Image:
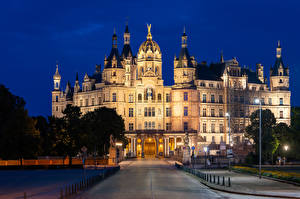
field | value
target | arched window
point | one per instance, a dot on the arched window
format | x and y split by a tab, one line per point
140	97
159	97
142	71
56	98
156	70
56	85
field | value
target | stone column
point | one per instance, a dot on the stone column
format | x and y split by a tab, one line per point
131	147
168	146
157	144
175	144
142	143
165	148
134	148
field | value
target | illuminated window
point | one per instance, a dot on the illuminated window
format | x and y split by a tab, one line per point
130	99
159	97
130	126
221	112
221	130
185	111
168	112
220	98
130	112
185	126
168	97
204	112
204	98
281	101
212	112
140	97
281	114
212	100
114	97
168	126
213	130
204	127
185	96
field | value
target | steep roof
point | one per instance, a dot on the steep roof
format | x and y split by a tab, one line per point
184	55
204	72
278	64
126	52
252	77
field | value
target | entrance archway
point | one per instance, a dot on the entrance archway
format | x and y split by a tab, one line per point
149	147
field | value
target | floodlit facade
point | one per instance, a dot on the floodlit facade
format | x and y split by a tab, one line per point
157	117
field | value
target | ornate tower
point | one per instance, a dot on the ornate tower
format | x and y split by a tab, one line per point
56	79
113	72
149	60
127	58
260	72
184	65
279	74
77	86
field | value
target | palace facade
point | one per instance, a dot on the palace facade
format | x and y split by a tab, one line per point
157	117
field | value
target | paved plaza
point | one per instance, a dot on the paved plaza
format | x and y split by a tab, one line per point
152	178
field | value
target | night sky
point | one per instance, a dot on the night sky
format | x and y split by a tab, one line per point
36	34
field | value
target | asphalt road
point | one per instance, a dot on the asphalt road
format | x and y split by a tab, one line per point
151	179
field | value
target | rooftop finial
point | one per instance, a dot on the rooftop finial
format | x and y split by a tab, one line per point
114	30
278	44
149	36
222	57
183	29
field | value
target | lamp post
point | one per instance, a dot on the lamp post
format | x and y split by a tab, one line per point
258	101
286	147
205	150
229	141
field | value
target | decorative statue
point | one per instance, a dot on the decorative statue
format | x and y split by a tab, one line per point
112	141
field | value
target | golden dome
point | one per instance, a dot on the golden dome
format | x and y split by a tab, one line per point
149	44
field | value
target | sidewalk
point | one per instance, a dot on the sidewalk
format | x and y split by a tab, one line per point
251	184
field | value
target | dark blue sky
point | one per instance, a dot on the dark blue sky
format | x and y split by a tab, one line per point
35	34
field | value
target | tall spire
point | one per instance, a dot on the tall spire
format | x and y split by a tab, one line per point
184	39
278	50
76	76
149	36
114	39
126	34
222	57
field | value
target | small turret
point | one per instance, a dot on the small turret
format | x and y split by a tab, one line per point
260	72
77	86
279	74
222	57
56	79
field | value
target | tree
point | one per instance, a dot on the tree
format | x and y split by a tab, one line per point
72	131
18	136
99	125
269	141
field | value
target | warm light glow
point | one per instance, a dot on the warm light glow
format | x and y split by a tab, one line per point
286	147
179	143
227	114
160	146
150	139
231	144
138	146
256	101
205	149
119	144
160	140
139	140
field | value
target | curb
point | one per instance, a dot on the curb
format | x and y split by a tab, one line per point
270	178
240	193
244	193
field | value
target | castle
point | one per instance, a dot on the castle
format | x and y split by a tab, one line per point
202	103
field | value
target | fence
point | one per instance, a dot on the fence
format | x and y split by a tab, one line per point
85	183
215	179
52	162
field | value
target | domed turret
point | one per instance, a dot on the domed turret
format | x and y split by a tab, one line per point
56	79
149	57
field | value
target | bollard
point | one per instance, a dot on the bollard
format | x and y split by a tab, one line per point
218	179
66	191
25	195
223	182
69	193
61	194
214	179
229	183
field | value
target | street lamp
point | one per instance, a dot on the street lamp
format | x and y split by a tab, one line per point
229	141
205	150
258	101
286	147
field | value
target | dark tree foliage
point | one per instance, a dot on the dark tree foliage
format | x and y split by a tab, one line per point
269	140
72	126
98	126
18	135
